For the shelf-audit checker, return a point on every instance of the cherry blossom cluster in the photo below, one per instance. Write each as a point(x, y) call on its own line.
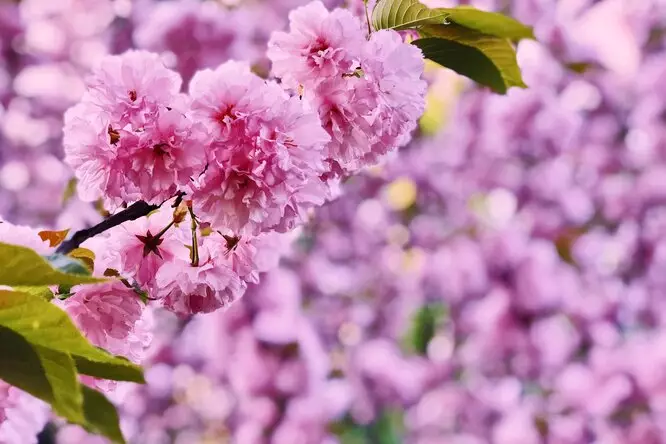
point(363, 88)
point(237, 159)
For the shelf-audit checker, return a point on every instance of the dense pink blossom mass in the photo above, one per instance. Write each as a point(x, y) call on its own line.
point(325, 263)
point(368, 92)
point(265, 152)
point(131, 138)
point(320, 45)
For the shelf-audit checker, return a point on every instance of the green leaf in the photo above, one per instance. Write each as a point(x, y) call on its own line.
point(43, 291)
point(488, 60)
point(491, 23)
point(36, 339)
point(50, 376)
point(424, 327)
point(474, 43)
point(24, 267)
point(44, 324)
point(60, 370)
point(46, 374)
point(405, 14)
point(101, 416)
point(119, 370)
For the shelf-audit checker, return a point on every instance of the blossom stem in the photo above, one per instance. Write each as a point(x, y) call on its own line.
point(133, 212)
point(195, 243)
point(165, 229)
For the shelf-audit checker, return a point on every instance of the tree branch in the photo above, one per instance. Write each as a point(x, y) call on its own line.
point(133, 212)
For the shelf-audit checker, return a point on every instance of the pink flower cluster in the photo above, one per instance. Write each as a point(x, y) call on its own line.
point(130, 138)
point(240, 157)
point(187, 273)
point(265, 152)
point(367, 90)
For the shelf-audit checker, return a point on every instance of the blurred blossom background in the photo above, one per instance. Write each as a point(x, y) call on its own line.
point(500, 280)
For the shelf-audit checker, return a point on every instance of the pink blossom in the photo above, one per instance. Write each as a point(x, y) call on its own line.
point(343, 106)
point(22, 416)
point(394, 69)
point(239, 251)
point(320, 44)
point(202, 288)
point(517, 427)
point(164, 156)
point(131, 138)
point(135, 250)
point(74, 434)
point(89, 142)
point(266, 155)
point(372, 113)
point(110, 316)
point(132, 87)
point(248, 255)
point(123, 165)
point(272, 247)
point(140, 147)
point(369, 94)
point(279, 297)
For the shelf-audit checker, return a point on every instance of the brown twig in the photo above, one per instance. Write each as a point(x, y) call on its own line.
point(133, 212)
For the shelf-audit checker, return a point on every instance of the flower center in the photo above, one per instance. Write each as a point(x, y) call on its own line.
point(151, 244)
point(319, 47)
point(225, 115)
point(159, 149)
point(232, 241)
